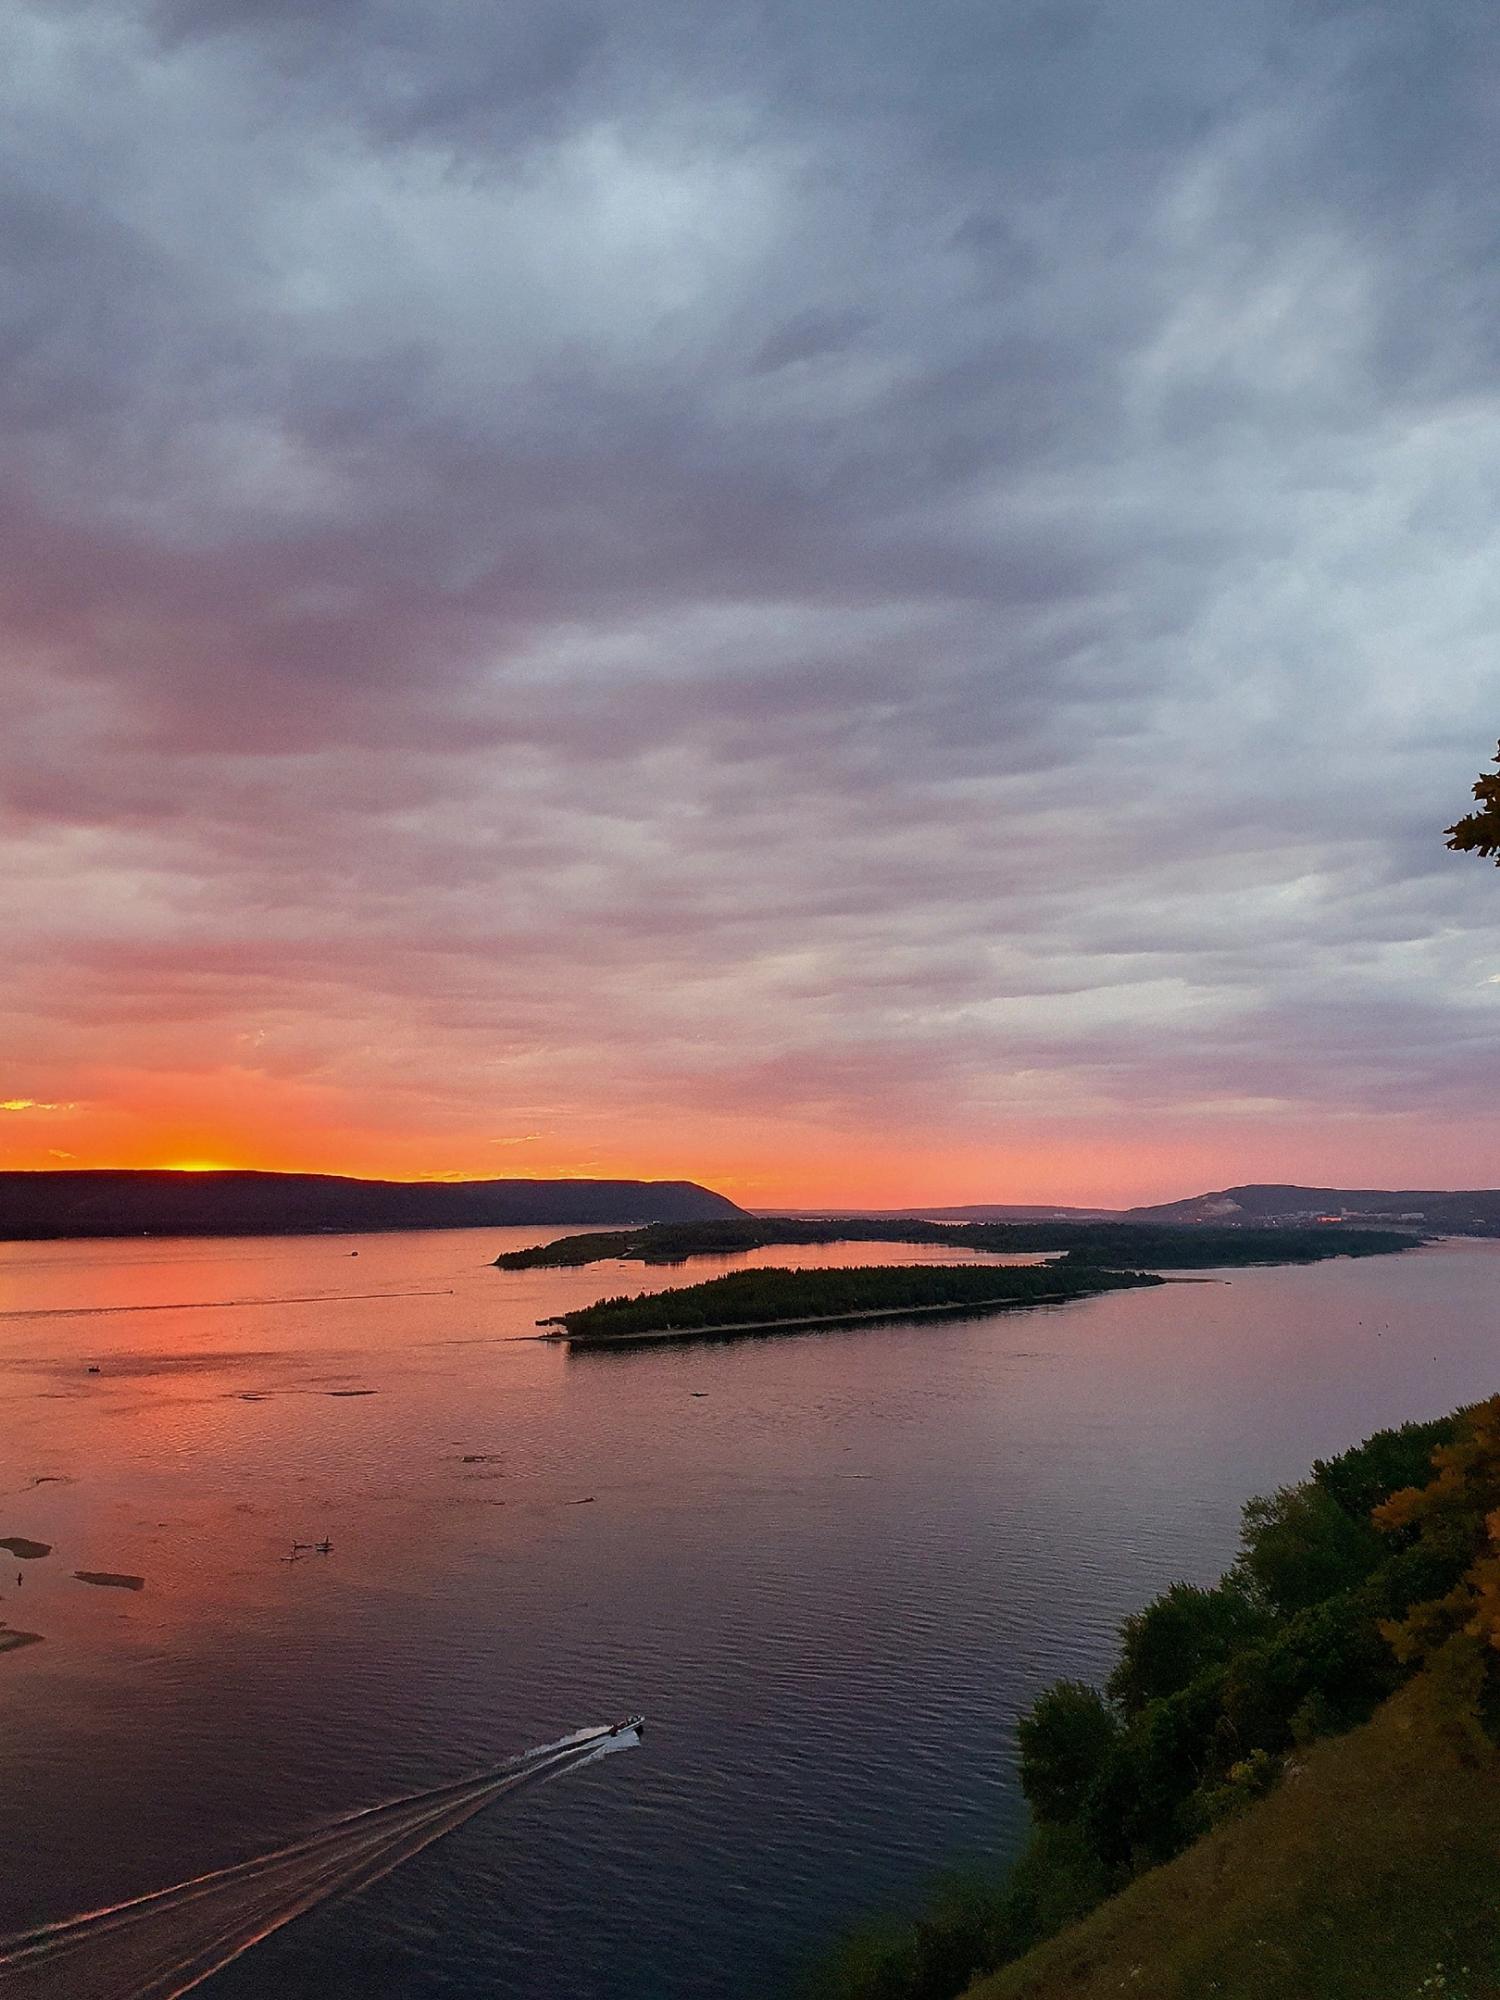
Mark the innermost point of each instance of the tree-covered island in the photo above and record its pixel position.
(1099, 1245)
(762, 1300)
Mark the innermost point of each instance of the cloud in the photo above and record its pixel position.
(637, 573)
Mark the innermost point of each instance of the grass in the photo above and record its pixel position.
(1371, 1873)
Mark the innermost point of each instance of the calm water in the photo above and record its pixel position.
(829, 1568)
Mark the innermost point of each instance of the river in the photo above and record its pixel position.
(830, 1569)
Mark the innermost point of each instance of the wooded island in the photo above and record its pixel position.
(762, 1301)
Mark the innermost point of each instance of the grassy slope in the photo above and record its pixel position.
(1367, 1873)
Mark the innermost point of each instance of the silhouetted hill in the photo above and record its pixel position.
(1439, 1211)
(1259, 1205)
(111, 1202)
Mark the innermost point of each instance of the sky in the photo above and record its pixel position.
(853, 601)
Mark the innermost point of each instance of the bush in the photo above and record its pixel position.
(932, 1957)
(1242, 1785)
(1058, 1879)
(877, 1961)
(1314, 1716)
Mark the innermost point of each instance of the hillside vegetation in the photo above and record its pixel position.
(1371, 1873)
(1381, 1568)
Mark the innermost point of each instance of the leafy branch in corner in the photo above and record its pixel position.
(1479, 832)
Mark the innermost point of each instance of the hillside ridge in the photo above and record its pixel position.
(80, 1202)
(1275, 1204)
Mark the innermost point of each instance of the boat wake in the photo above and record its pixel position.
(157, 1946)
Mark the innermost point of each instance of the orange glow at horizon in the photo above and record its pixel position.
(236, 1119)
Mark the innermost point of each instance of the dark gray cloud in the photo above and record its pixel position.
(834, 564)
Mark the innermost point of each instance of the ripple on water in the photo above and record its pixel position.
(832, 1665)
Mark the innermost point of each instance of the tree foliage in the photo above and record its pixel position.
(1478, 832)
(1300, 1547)
(1454, 1517)
(1065, 1738)
(1178, 1636)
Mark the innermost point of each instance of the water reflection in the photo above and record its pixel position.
(833, 1566)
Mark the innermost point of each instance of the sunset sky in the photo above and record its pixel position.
(857, 601)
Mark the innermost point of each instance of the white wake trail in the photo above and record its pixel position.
(158, 1946)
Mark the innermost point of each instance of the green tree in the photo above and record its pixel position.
(1179, 1634)
(1479, 832)
(1066, 1738)
(1300, 1547)
(1361, 1478)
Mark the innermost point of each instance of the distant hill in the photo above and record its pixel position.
(121, 1202)
(1471, 1212)
(1261, 1205)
